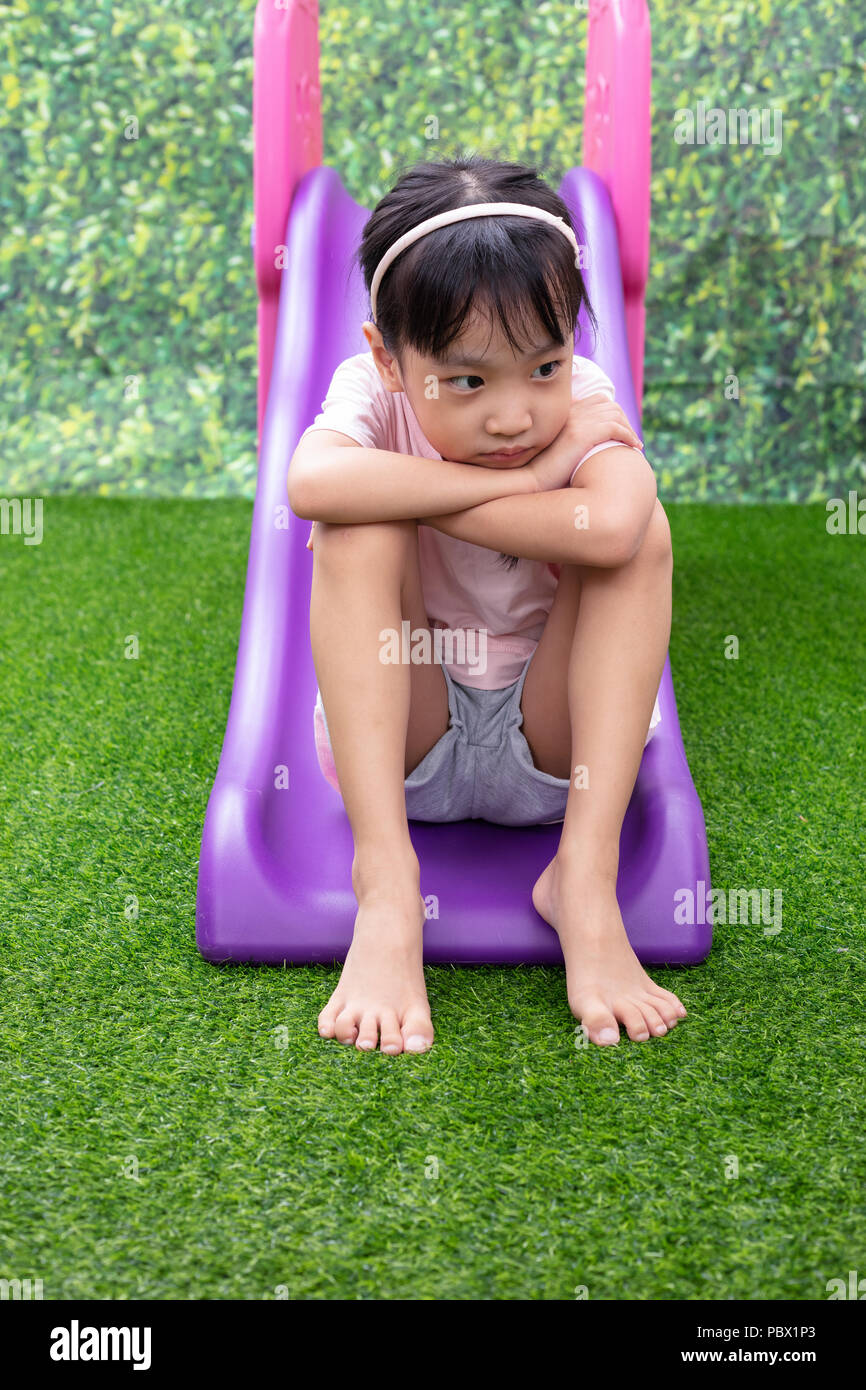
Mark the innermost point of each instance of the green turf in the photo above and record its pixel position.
(308, 1165)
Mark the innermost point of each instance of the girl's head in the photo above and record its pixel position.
(476, 320)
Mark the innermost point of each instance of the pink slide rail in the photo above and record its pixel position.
(617, 146)
(287, 142)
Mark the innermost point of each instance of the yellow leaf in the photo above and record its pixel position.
(165, 178)
(12, 90)
(140, 238)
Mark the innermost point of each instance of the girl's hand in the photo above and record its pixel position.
(591, 421)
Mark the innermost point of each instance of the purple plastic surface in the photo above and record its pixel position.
(274, 880)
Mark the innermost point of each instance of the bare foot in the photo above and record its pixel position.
(381, 993)
(607, 985)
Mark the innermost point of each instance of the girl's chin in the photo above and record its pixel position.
(517, 462)
(483, 462)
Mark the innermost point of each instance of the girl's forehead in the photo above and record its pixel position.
(483, 342)
(484, 352)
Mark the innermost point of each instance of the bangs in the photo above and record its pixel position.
(517, 273)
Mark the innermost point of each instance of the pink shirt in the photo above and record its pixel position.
(491, 616)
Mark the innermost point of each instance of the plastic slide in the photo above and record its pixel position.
(275, 869)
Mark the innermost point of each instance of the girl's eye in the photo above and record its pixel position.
(453, 380)
(548, 364)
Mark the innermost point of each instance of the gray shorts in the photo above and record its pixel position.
(481, 768)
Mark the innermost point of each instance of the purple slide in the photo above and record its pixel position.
(275, 870)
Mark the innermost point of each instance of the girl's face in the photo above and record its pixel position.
(482, 399)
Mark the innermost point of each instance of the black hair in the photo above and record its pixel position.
(523, 270)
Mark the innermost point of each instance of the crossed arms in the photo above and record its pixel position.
(599, 520)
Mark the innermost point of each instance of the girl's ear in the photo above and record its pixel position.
(386, 365)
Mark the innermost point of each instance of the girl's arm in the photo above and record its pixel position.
(599, 520)
(337, 480)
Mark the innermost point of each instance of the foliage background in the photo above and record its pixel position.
(128, 353)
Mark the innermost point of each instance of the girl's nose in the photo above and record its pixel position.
(509, 422)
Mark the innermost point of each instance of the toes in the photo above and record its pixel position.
(368, 1031)
(654, 1021)
(365, 1028)
(665, 1008)
(345, 1026)
(325, 1021)
(417, 1031)
(656, 993)
(600, 1027)
(389, 1031)
(634, 1022)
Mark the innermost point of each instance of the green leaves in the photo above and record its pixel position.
(126, 204)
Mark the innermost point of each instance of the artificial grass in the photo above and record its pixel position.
(178, 1130)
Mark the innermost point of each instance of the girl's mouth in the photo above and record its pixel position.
(507, 453)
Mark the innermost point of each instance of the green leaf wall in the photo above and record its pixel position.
(128, 352)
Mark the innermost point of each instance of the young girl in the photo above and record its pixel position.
(491, 592)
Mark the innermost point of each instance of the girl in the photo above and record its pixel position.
(491, 592)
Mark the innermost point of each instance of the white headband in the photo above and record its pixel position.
(457, 215)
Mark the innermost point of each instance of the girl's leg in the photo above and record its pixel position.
(382, 718)
(587, 704)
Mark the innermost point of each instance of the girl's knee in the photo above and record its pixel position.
(657, 537)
